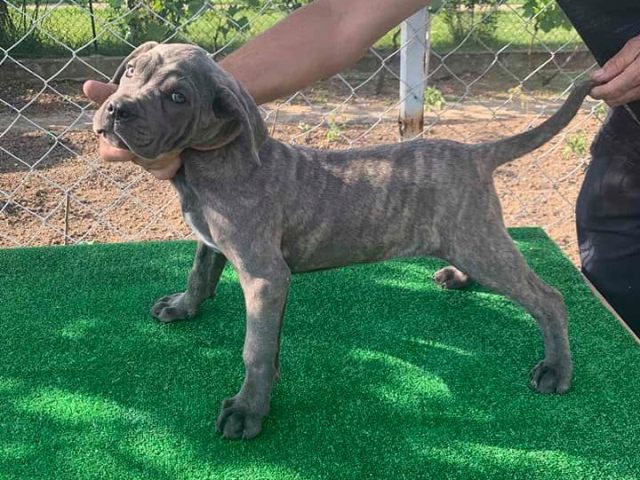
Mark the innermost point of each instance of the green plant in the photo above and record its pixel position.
(160, 19)
(545, 15)
(142, 20)
(7, 29)
(576, 144)
(304, 127)
(288, 5)
(517, 93)
(335, 132)
(16, 23)
(70, 25)
(470, 18)
(230, 18)
(600, 111)
(433, 98)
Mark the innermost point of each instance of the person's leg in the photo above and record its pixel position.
(608, 216)
(608, 208)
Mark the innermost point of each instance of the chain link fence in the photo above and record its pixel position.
(494, 68)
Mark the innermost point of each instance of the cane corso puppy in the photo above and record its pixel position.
(273, 209)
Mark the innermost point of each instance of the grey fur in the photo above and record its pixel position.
(274, 209)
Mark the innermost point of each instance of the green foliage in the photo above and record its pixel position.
(160, 19)
(474, 19)
(545, 15)
(23, 26)
(335, 132)
(600, 111)
(304, 127)
(576, 144)
(7, 28)
(288, 5)
(433, 98)
(229, 18)
(68, 24)
(517, 94)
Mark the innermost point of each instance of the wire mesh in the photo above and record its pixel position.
(495, 68)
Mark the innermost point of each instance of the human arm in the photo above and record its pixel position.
(314, 42)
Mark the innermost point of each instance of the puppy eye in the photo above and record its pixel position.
(177, 97)
(129, 72)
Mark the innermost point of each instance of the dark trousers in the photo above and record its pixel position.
(608, 216)
(608, 208)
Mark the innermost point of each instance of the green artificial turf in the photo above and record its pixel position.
(383, 375)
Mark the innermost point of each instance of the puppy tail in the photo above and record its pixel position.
(503, 151)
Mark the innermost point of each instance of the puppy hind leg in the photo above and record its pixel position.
(500, 266)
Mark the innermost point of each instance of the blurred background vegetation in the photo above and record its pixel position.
(43, 28)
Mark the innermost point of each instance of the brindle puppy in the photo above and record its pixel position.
(273, 209)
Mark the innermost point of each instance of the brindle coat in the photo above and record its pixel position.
(272, 209)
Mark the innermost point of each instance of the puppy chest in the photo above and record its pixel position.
(199, 228)
(192, 209)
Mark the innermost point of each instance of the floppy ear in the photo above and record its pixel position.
(145, 47)
(240, 118)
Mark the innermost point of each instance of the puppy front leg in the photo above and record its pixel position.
(265, 294)
(203, 280)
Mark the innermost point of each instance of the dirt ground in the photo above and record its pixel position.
(54, 189)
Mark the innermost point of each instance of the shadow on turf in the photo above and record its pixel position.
(383, 375)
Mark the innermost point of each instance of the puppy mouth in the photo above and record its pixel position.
(115, 140)
(120, 140)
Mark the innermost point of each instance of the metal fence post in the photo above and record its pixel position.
(413, 58)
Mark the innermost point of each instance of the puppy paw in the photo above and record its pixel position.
(547, 378)
(171, 308)
(451, 278)
(237, 421)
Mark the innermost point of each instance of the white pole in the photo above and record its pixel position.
(413, 63)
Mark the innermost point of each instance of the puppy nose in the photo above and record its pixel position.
(120, 110)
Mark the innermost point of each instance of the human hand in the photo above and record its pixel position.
(620, 76)
(163, 167)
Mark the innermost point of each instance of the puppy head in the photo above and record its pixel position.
(172, 97)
